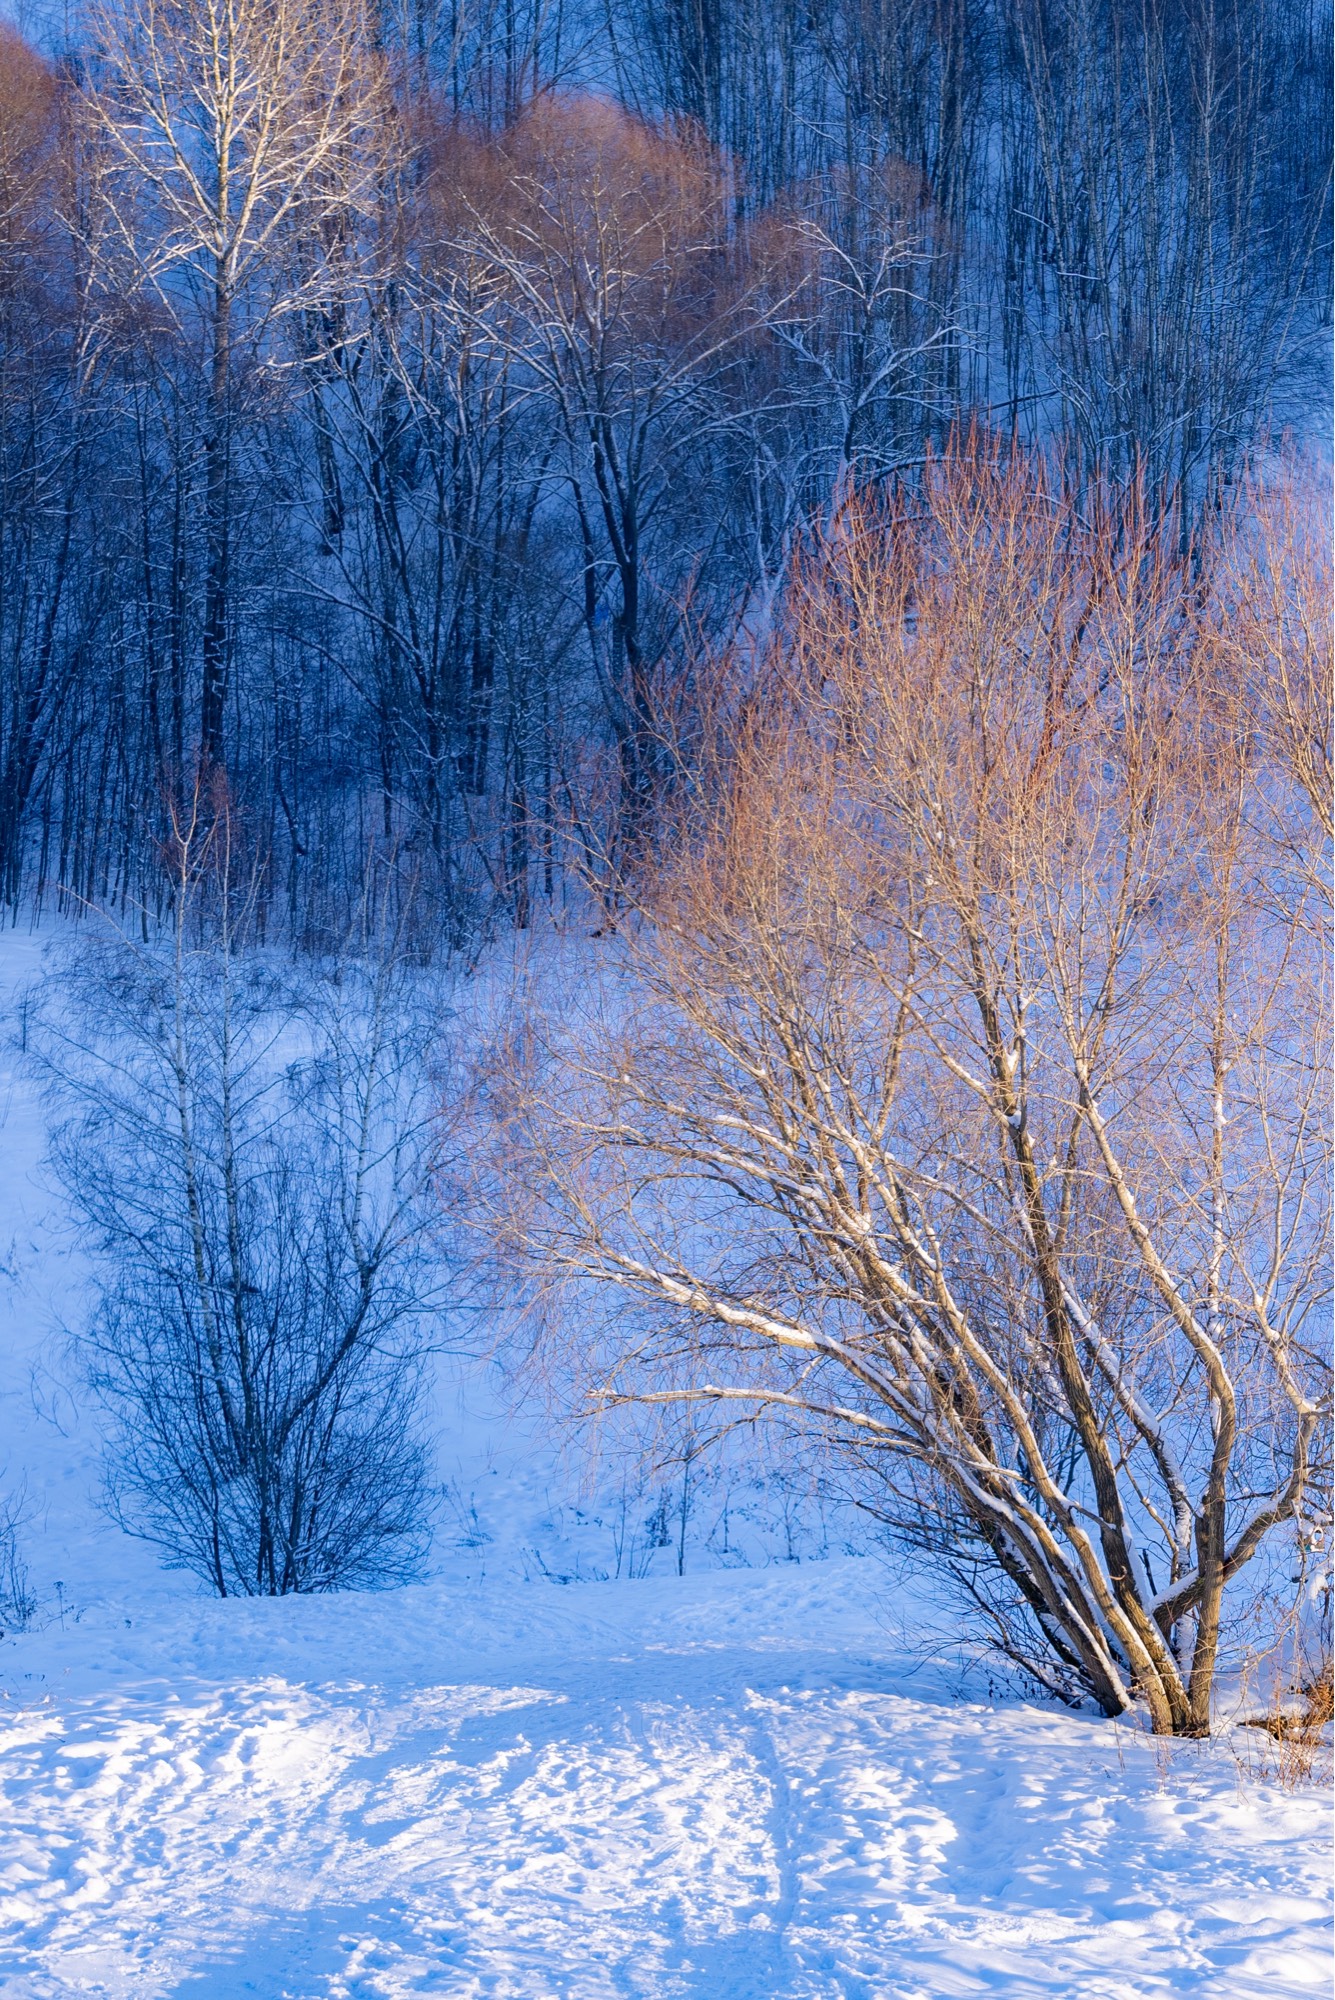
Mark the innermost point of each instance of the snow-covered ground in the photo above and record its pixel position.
(728, 1786)
(753, 1783)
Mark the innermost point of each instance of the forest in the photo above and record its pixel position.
(397, 402)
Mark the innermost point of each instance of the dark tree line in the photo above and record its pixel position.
(385, 396)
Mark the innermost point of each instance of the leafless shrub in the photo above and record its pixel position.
(957, 1085)
(248, 1159)
(18, 1599)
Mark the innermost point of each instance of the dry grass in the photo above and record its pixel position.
(1293, 1746)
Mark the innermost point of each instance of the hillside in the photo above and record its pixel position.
(744, 1783)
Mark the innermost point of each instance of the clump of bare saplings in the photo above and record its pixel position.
(955, 1087)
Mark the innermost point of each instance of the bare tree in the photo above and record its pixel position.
(18, 1600)
(1278, 638)
(239, 146)
(625, 306)
(53, 604)
(249, 1163)
(859, 317)
(443, 458)
(958, 1087)
(1173, 292)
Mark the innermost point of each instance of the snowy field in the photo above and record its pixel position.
(744, 1783)
(728, 1787)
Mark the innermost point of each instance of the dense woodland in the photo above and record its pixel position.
(395, 401)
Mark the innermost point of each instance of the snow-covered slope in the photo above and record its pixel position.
(736, 1784)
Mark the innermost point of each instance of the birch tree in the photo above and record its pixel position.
(240, 146)
(958, 1089)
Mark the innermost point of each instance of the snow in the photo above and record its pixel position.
(723, 1785)
(751, 1783)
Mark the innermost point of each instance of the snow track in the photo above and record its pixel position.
(613, 1793)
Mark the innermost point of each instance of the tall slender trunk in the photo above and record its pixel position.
(217, 586)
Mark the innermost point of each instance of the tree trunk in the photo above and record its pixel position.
(217, 586)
